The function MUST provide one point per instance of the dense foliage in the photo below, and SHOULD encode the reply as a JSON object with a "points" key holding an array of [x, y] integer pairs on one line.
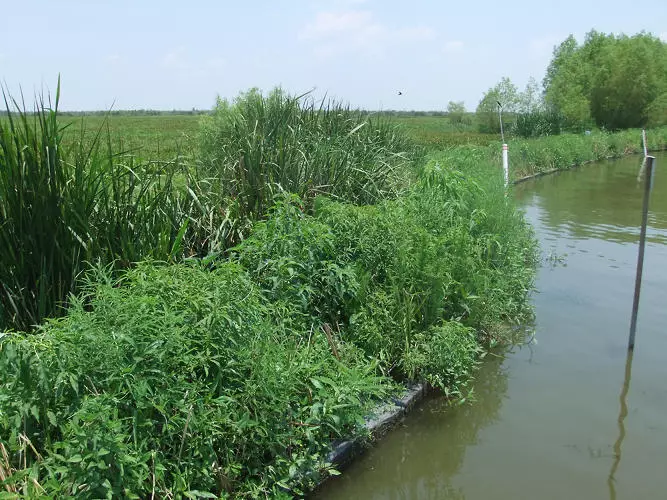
{"points": [[175, 380], [64, 205], [614, 81], [232, 377], [69, 197], [259, 146]]}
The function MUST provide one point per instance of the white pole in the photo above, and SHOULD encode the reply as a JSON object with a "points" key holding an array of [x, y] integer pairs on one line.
{"points": [[644, 141], [506, 166]]}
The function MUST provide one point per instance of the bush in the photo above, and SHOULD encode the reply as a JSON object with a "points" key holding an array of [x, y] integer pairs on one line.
{"points": [[173, 381], [445, 356], [538, 124], [259, 146]]}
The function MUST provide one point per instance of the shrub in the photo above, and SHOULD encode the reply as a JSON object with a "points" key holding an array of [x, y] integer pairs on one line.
{"points": [[173, 381], [259, 146], [445, 356]]}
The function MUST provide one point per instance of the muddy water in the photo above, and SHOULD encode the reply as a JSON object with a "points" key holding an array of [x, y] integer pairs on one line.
{"points": [[568, 416]]}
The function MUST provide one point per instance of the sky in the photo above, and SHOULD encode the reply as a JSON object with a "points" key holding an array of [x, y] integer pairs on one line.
{"points": [[181, 55]]}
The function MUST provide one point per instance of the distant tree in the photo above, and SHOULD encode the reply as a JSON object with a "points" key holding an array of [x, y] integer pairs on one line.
{"points": [[530, 100], [456, 112], [505, 93], [613, 81], [561, 55]]}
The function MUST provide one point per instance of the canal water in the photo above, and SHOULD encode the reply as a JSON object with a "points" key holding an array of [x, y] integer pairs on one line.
{"points": [[568, 415]]}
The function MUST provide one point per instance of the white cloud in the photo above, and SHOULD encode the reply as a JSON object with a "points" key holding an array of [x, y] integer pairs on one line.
{"points": [[356, 23], [453, 46], [114, 58], [416, 34], [176, 59], [663, 36], [358, 31]]}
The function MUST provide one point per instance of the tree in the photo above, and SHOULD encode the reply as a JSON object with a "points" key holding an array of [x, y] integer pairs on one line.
{"points": [[456, 112], [561, 55], [611, 80], [530, 100], [505, 93], [657, 111]]}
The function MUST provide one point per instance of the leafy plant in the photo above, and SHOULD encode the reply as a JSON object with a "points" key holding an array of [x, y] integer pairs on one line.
{"points": [[259, 146]]}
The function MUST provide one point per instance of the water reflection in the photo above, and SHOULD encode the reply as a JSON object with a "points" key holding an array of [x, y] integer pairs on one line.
{"points": [[623, 412], [595, 202], [420, 460]]}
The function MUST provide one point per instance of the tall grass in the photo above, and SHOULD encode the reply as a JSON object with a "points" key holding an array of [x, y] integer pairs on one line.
{"points": [[259, 146], [61, 207], [537, 124]]}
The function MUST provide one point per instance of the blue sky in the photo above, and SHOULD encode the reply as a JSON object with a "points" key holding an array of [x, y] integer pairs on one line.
{"points": [[180, 55]]}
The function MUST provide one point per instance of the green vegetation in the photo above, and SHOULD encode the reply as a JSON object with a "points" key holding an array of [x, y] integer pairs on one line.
{"points": [[69, 199], [616, 82], [155, 137], [434, 133], [529, 157], [544, 154], [176, 379], [184, 367], [258, 147], [610, 82], [63, 206]]}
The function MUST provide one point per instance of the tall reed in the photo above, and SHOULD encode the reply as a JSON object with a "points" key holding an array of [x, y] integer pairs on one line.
{"points": [[61, 207], [262, 145]]}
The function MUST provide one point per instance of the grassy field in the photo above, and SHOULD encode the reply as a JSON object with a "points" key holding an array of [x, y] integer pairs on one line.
{"points": [[438, 132], [154, 137], [207, 328], [162, 137]]}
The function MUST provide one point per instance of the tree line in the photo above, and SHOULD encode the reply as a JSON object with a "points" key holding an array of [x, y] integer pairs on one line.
{"points": [[609, 81]]}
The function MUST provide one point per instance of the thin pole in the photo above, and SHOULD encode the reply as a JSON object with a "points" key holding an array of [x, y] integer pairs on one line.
{"points": [[506, 165], [506, 170], [641, 169], [642, 244], [500, 116]]}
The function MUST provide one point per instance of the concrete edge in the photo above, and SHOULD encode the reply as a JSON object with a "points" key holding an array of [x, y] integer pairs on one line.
{"points": [[381, 419], [576, 165]]}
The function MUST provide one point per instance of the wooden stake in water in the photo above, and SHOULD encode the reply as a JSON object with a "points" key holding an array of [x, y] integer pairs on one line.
{"points": [[642, 244]]}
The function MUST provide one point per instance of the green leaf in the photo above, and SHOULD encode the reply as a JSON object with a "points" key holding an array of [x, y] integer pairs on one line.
{"points": [[52, 418], [199, 494]]}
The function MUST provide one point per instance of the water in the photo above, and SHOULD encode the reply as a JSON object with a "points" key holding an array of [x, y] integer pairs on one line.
{"points": [[549, 420]]}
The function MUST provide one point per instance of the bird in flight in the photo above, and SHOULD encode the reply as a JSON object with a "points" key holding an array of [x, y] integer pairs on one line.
{"points": [[400, 93]]}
